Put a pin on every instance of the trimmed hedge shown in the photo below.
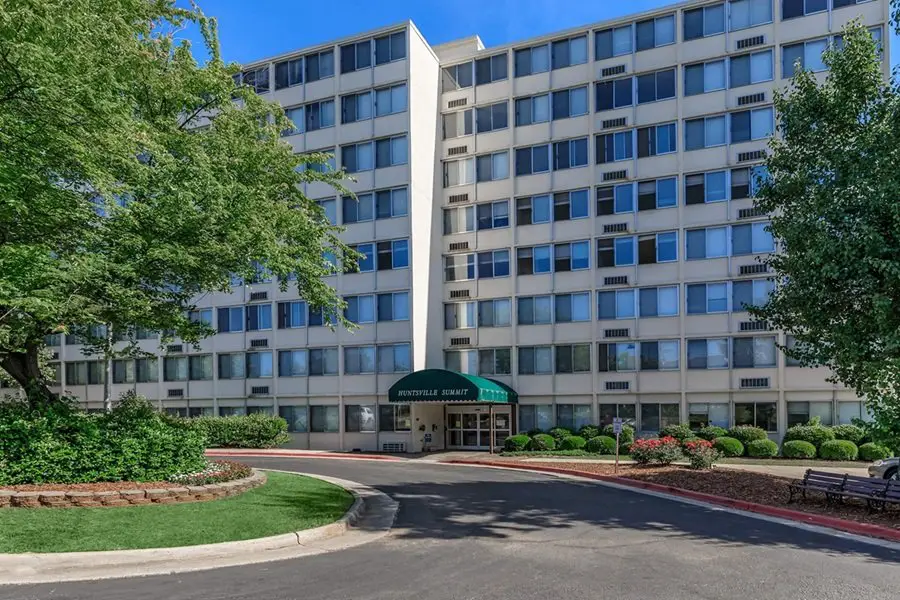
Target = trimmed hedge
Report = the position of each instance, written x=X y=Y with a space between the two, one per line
x=250 y=431
x=873 y=451
x=814 y=434
x=573 y=442
x=516 y=443
x=729 y=446
x=542 y=441
x=747 y=433
x=589 y=431
x=798 y=449
x=626 y=438
x=559 y=433
x=602 y=444
x=711 y=432
x=838 y=450
x=762 y=449
x=851 y=433
x=680 y=432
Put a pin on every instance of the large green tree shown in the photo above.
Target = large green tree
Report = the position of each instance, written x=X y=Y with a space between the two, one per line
x=834 y=193
x=133 y=179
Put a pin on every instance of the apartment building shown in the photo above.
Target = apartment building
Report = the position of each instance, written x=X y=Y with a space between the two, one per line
x=557 y=231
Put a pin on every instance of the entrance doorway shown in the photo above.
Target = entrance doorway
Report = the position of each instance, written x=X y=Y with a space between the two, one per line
x=469 y=427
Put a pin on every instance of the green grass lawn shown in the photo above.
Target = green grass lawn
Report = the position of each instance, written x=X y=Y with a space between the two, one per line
x=285 y=503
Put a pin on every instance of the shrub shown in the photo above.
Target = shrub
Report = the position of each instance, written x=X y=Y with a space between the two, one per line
x=711 y=432
x=680 y=432
x=589 y=431
x=559 y=433
x=798 y=449
x=59 y=443
x=729 y=446
x=250 y=431
x=533 y=432
x=851 y=433
x=573 y=442
x=542 y=441
x=625 y=438
x=217 y=471
x=814 y=434
x=838 y=450
x=701 y=453
x=872 y=451
x=747 y=433
x=516 y=443
x=602 y=444
x=762 y=449
x=661 y=451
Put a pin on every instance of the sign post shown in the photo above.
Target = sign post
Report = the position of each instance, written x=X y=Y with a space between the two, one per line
x=491 y=417
x=617 y=429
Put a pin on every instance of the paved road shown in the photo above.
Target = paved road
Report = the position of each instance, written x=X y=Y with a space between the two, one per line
x=481 y=534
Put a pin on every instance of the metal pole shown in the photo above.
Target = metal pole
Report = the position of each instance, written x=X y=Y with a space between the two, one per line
x=491 y=416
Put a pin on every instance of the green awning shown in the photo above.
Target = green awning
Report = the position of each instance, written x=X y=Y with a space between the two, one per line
x=439 y=385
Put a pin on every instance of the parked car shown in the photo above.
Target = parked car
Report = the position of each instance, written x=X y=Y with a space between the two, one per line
x=889 y=468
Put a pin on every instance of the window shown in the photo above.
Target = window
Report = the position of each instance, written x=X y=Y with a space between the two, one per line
x=259 y=317
x=319 y=318
x=495 y=361
x=745 y=182
x=202 y=315
x=298 y=118
x=657 y=248
x=570 y=103
x=389 y=48
x=360 y=309
x=565 y=53
x=570 y=205
x=494 y=313
x=705 y=133
x=800 y=413
x=231 y=319
x=329 y=206
x=55 y=339
x=459 y=172
x=619 y=357
x=492 y=167
x=708 y=354
x=463 y=361
x=175 y=368
x=535 y=360
x=259 y=364
x=535 y=109
x=532 y=60
x=570 y=154
x=258 y=79
x=807 y=54
x=752 y=238
x=573 y=358
x=613 y=42
x=838 y=40
x=615 y=252
x=320 y=65
x=232 y=411
x=614 y=94
x=200 y=368
x=615 y=199
x=750 y=352
x=656 y=86
x=76 y=373
x=324 y=419
x=619 y=304
x=491 y=69
x=391 y=151
x=710 y=414
x=789 y=361
x=534 y=310
x=146 y=370
x=291 y=315
x=493 y=263
x=288 y=73
x=459 y=220
x=749 y=13
x=393 y=255
x=457 y=77
x=705 y=298
x=847 y=411
x=749 y=125
x=659 y=193
x=704 y=22
x=711 y=242
x=328 y=165
x=535 y=416
x=798 y=8
x=232 y=366
x=534 y=159
x=835 y=4
x=393 y=306
x=751 y=68
x=703 y=188
x=296 y=416
x=656 y=140
x=358 y=157
x=323 y=361
x=394 y=417
x=390 y=100
x=492 y=117
x=356 y=56
x=704 y=77
x=626 y=412
x=653 y=33
x=572 y=308
x=292 y=363
x=573 y=416
x=660 y=356
x=384 y=204
x=658 y=301
x=459 y=267
x=533 y=210
x=750 y=293
x=359 y=360
x=123 y=371
x=612 y=147
x=757 y=414
x=574 y=256
x=457 y=124
x=656 y=416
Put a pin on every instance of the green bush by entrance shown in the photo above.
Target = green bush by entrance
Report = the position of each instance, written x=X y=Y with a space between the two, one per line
x=602 y=444
x=680 y=432
x=838 y=450
x=589 y=431
x=573 y=442
x=873 y=451
x=247 y=431
x=729 y=446
x=747 y=433
x=711 y=432
x=814 y=434
x=626 y=438
x=762 y=449
x=560 y=433
x=798 y=449
x=851 y=433
x=542 y=441
x=516 y=443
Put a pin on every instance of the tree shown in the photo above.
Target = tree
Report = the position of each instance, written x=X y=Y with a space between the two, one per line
x=133 y=179
x=833 y=194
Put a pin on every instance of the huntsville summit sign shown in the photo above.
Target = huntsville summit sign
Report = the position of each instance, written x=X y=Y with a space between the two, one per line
x=443 y=394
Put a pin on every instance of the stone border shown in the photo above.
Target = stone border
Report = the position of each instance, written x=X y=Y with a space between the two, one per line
x=168 y=495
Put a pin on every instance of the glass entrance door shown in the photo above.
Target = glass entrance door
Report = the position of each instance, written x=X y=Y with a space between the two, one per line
x=469 y=427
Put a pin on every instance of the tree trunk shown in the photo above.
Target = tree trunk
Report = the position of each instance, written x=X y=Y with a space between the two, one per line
x=25 y=369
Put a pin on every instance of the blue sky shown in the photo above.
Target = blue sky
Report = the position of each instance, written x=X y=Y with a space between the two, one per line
x=254 y=29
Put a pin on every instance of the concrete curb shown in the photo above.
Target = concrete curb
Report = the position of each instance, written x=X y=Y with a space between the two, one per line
x=864 y=529
x=30 y=568
x=301 y=454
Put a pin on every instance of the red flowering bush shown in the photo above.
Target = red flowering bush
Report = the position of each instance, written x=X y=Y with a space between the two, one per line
x=701 y=454
x=661 y=451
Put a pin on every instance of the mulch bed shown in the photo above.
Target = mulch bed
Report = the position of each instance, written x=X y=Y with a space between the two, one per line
x=105 y=486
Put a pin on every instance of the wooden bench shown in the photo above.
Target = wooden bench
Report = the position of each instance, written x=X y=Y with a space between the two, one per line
x=877 y=493
x=829 y=484
x=870 y=489
x=891 y=495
